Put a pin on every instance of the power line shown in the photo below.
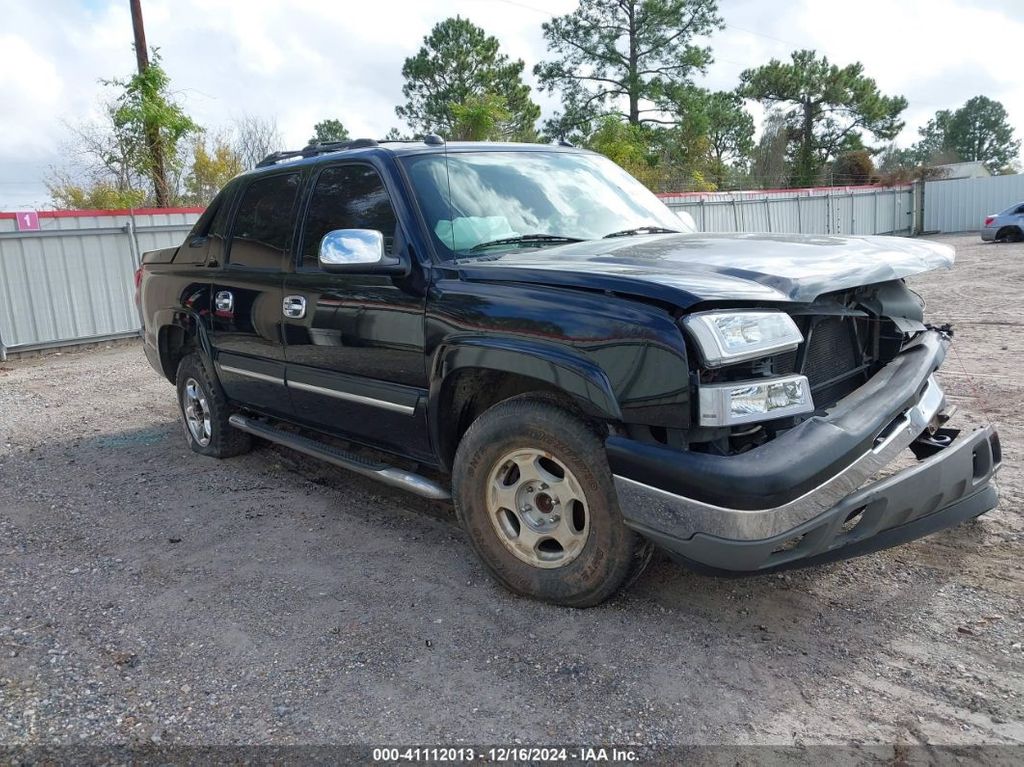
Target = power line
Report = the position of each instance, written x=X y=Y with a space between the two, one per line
x=762 y=34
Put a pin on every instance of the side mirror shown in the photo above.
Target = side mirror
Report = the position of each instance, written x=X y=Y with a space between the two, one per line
x=357 y=251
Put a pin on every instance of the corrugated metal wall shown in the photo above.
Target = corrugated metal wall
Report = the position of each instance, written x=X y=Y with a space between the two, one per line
x=73 y=280
x=960 y=205
x=836 y=210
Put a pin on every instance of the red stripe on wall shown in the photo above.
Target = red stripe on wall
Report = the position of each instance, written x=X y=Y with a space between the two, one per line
x=123 y=212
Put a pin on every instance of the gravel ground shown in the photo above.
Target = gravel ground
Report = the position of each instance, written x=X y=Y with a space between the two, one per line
x=149 y=594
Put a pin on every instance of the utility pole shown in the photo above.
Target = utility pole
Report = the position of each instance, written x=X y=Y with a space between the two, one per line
x=156 y=150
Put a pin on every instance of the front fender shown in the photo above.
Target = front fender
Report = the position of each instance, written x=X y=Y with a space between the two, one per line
x=550 y=363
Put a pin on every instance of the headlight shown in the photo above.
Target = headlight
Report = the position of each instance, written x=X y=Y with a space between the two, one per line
x=728 y=337
x=748 y=401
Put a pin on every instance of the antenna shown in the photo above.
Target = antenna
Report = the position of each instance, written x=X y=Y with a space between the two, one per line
x=432 y=139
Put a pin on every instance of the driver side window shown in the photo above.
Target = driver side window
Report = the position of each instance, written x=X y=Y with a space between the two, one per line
x=346 y=197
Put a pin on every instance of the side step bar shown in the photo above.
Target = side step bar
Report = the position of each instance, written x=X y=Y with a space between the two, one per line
x=378 y=470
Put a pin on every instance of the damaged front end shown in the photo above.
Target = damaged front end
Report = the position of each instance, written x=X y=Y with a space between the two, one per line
x=750 y=493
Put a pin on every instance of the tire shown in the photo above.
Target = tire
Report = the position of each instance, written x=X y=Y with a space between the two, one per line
x=204 y=412
x=565 y=542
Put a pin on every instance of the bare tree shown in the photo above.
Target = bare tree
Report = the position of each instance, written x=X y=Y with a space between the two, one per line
x=99 y=168
x=254 y=137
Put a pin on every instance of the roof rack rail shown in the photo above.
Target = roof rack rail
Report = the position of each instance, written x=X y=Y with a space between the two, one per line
x=314 y=149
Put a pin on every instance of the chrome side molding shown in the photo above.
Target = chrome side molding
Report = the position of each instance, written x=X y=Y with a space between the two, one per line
x=349 y=397
x=250 y=374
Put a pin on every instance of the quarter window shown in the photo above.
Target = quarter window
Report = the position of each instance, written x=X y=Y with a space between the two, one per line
x=219 y=224
x=347 y=197
x=263 y=225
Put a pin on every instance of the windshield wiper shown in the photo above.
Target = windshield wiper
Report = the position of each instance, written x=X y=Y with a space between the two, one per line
x=642 y=230
x=525 y=238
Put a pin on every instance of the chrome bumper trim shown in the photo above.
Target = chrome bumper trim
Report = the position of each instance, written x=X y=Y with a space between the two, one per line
x=695 y=516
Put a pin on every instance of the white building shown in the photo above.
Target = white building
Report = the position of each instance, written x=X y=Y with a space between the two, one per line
x=973 y=169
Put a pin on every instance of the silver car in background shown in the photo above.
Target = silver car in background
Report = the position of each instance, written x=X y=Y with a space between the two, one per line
x=1008 y=225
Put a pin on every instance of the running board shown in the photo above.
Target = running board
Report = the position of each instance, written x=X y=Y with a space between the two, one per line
x=378 y=470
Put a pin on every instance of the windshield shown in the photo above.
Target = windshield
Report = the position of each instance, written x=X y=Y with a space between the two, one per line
x=530 y=199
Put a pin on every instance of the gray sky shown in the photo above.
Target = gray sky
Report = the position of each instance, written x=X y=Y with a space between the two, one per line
x=304 y=60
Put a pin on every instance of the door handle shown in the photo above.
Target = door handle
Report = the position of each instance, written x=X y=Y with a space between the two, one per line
x=224 y=301
x=294 y=307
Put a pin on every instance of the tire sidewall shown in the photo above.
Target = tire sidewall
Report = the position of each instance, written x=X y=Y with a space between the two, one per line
x=192 y=367
x=605 y=559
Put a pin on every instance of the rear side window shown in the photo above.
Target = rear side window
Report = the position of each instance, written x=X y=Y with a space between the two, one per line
x=202 y=225
x=262 y=233
x=219 y=224
x=346 y=197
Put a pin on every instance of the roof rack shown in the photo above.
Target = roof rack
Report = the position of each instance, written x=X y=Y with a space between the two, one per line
x=314 y=149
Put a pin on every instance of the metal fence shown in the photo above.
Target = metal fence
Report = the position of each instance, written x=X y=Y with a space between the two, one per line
x=72 y=281
x=960 y=205
x=827 y=210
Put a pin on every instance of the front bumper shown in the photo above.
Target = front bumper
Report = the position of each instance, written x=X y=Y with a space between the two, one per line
x=839 y=516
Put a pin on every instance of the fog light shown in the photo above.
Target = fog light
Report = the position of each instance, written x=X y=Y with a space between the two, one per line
x=748 y=401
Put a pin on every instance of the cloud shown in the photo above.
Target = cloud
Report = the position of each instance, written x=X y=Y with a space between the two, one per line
x=306 y=60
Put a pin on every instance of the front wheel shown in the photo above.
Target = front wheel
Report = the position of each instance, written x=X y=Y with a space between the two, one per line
x=533 y=491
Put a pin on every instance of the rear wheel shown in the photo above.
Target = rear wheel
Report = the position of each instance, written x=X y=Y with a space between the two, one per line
x=533 y=491
x=205 y=412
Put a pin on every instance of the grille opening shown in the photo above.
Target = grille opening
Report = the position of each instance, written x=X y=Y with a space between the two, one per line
x=982 y=460
x=837 y=356
x=853 y=519
x=894 y=425
x=831 y=350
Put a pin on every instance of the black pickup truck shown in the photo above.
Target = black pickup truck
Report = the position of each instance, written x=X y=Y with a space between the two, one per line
x=529 y=331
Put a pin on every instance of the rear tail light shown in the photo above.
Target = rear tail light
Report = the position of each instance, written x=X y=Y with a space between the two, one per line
x=989 y=220
x=138 y=286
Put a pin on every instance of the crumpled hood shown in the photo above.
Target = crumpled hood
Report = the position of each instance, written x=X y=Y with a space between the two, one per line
x=686 y=269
